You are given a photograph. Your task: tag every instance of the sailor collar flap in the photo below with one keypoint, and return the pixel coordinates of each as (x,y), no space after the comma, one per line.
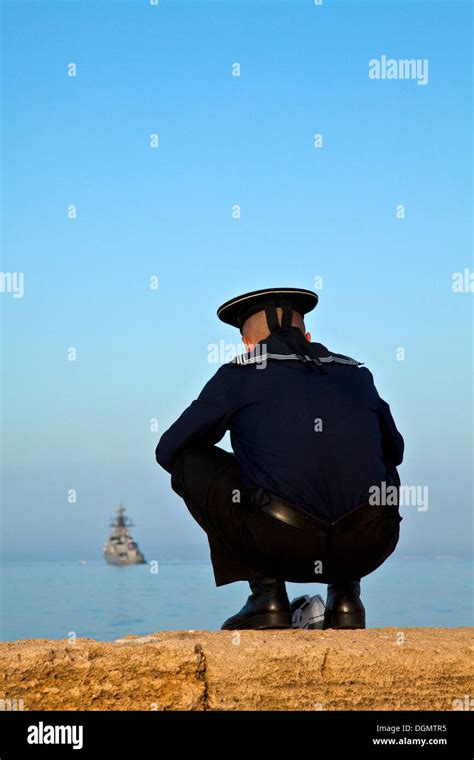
(274,349)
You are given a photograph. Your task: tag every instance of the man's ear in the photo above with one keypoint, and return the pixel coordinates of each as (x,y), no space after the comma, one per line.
(248,343)
(308,337)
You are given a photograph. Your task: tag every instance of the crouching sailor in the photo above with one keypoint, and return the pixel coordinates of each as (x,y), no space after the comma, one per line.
(311,436)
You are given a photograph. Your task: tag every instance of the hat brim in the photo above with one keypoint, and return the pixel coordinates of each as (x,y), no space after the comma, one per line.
(236,310)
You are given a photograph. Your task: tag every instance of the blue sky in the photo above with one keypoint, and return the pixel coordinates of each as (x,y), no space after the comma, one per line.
(167,212)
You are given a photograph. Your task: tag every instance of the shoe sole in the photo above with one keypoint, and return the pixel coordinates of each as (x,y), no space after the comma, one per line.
(345,620)
(263,621)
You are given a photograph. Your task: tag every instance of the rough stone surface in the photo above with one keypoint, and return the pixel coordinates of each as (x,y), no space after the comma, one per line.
(385,669)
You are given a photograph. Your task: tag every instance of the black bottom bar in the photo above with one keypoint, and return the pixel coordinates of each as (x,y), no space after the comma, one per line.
(304,734)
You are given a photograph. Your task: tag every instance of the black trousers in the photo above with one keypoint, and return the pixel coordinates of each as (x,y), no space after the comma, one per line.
(246,543)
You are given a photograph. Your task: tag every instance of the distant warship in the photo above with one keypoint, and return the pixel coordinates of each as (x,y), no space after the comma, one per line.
(120,549)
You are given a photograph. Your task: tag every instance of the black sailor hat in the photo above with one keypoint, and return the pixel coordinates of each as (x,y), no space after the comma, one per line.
(235,311)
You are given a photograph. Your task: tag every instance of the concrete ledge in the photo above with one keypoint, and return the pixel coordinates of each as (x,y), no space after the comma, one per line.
(384,669)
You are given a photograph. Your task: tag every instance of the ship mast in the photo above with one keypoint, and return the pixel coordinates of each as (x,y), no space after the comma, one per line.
(120,521)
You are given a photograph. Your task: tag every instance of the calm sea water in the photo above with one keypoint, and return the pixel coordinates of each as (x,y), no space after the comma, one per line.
(95,600)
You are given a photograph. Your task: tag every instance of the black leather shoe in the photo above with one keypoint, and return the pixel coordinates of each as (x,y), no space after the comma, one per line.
(268,606)
(344,608)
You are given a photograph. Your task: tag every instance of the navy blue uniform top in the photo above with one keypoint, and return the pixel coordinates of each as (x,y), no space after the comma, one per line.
(319,439)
